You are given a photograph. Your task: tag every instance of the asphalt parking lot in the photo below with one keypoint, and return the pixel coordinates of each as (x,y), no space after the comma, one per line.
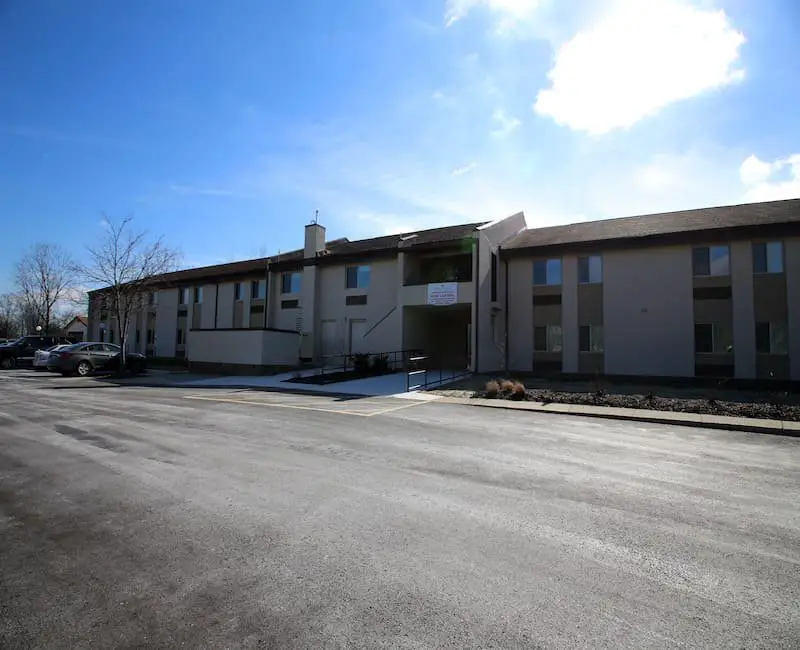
(146,517)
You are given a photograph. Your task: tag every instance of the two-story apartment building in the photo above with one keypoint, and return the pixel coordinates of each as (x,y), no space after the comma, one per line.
(709,292)
(429,290)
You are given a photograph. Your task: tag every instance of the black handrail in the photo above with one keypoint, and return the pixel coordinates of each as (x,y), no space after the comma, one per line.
(396,360)
(426,371)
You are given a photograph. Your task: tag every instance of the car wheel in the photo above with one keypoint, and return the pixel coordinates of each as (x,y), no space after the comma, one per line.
(8,363)
(84,369)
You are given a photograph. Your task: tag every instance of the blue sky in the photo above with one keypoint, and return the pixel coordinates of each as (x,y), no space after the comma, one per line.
(223,125)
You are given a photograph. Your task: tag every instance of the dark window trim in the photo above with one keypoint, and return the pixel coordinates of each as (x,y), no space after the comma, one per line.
(290,304)
(713,293)
(359,299)
(242,329)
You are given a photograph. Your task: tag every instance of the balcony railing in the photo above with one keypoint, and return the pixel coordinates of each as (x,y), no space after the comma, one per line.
(431,278)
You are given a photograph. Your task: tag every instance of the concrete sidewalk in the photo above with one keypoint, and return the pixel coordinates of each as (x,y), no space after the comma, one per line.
(753,425)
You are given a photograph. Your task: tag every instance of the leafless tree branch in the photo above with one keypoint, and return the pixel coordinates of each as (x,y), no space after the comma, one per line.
(44,276)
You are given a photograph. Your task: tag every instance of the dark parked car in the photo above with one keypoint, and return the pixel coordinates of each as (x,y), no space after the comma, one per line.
(84,359)
(22,351)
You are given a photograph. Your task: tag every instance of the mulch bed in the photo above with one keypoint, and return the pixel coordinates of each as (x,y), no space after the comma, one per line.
(783,408)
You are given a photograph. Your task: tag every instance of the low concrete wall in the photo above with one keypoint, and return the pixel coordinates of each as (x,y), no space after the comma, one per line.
(249,351)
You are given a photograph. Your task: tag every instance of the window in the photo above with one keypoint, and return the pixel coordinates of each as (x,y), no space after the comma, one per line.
(590,269)
(494,276)
(183,296)
(111,348)
(110,335)
(138,336)
(547,272)
(768,257)
(771,338)
(258,290)
(151,298)
(290,304)
(357,277)
(237,291)
(179,338)
(712,338)
(711,260)
(291,282)
(151,337)
(591,338)
(547,338)
(198,295)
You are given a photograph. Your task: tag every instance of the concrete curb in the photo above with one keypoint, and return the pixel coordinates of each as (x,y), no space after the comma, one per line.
(750,425)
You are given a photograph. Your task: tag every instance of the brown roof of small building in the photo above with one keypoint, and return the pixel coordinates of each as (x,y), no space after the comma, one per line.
(746,215)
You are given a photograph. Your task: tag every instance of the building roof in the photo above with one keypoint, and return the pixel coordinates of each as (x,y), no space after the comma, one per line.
(337,248)
(652,226)
(83,320)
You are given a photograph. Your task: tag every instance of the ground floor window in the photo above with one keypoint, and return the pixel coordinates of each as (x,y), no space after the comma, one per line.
(713,338)
(591,338)
(771,338)
(547,338)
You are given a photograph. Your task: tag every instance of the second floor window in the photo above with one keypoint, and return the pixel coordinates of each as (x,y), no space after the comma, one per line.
(547,272)
(291,282)
(198,295)
(258,289)
(357,277)
(183,296)
(237,291)
(590,269)
(711,260)
(768,257)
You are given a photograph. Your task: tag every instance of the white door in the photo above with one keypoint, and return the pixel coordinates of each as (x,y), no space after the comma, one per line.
(357,341)
(329,347)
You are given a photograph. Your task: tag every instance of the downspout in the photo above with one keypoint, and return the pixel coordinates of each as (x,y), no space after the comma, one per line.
(508,316)
(216,304)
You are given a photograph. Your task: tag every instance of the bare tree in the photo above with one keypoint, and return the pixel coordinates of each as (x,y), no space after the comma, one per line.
(9,316)
(44,276)
(123,266)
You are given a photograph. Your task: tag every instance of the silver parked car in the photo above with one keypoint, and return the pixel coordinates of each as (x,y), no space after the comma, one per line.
(41,357)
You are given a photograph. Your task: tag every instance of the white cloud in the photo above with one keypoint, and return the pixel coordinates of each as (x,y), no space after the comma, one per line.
(460,171)
(509,12)
(638,58)
(504,124)
(771,181)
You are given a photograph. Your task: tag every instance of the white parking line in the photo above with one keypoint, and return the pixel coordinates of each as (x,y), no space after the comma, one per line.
(303,407)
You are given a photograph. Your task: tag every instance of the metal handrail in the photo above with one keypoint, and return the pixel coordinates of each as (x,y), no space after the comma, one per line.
(420,371)
(397,360)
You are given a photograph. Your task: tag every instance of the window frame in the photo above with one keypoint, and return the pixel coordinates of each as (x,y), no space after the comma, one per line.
(255,289)
(767,246)
(588,259)
(552,333)
(547,271)
(717,346)
(771,328)
(709,261)
(183,295)
(197,295)
(291,288)
(359,268)
(237,291)
(596,339)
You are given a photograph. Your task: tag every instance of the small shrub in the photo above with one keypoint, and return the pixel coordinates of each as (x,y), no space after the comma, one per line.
(517,391)
(361,363)
(492,388)
(507,385)
(380,364)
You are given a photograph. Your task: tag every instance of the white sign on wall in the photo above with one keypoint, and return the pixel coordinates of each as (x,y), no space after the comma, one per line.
(443,293)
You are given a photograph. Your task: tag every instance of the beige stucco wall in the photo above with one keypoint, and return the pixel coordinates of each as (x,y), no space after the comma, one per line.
(231,346)
(225,305)
(166,323)
(207,306)
(520,314)
(792,266)
(381,300)
(283,318)
(648,312)
(569,314)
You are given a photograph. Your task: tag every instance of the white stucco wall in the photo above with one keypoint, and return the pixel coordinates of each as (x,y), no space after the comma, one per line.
(245,347)
(648,312)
